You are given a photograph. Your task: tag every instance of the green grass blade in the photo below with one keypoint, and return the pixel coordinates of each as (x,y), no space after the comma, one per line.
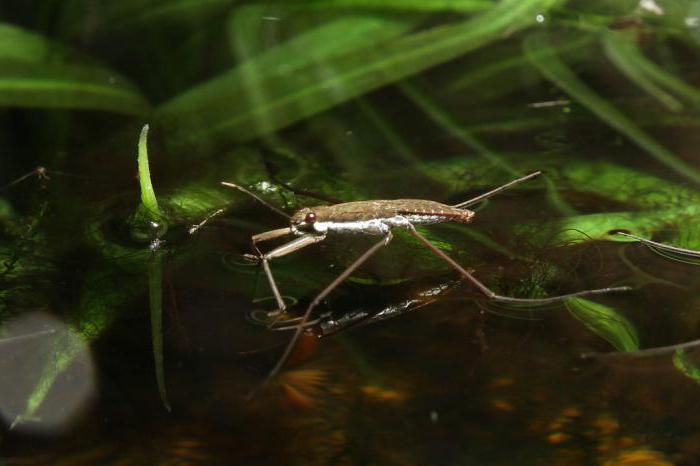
(605,322)
(458,131)
(624,53)
(148,194)
(602,226)
(482,77)
(685,366)
(250,85)
(662,77)
(128,14)
(35,72)
(560,74)
(461,6)
(435,113)
(68,86)
(316,86)
(20,45)
(67,347)
(155,295)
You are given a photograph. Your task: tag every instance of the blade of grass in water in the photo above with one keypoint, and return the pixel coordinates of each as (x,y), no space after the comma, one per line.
(604,226)
(463,6)
(155,294)
(482,76)
(131,13)
(654,72)
(313,88)
(685,366)
(624,53)
(35,72)
(155,265)
(605,322)
(148,194)
(433,111)
(560,74)
(248,85)
(443,119)
(20,45)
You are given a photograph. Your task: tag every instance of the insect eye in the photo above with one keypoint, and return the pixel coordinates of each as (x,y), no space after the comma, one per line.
(310,217)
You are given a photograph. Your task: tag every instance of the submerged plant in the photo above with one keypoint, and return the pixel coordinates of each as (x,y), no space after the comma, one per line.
(347,100)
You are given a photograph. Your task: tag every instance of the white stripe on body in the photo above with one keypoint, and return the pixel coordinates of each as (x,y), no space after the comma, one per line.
(376,226)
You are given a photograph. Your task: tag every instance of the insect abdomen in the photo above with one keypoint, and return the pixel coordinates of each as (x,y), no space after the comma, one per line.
(420,211)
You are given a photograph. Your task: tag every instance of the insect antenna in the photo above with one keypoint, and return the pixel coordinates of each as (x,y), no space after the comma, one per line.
(272,171)
(311,194)
(488,194)
(256,197)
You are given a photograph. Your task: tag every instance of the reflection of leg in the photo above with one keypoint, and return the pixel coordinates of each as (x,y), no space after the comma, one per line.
(273,286)
(287,248)
(492,295)
(321,296)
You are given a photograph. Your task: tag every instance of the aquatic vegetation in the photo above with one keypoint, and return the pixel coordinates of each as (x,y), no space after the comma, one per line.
(38,72)
(348,100)
(605,322)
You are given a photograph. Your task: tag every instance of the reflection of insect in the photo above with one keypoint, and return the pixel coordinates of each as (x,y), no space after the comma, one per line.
(377,218)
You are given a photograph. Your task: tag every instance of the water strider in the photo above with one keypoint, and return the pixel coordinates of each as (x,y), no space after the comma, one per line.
(311,225)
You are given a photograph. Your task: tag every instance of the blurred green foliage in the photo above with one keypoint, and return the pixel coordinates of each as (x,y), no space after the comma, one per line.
(252,91)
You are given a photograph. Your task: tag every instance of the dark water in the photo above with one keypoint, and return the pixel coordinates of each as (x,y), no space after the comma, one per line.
(601,96)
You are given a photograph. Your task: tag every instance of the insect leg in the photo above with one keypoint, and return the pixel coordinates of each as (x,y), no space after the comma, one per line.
(320,297)
(481,197)
(492,295)
(287,248)
(265,236)
(256,197)
(270,235)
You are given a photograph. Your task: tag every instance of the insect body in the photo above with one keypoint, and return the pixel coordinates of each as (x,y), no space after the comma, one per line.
(375,217)
(311,225)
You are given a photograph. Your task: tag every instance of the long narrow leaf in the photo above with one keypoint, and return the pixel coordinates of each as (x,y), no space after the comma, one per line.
(316,87)
(414,5)
(560,74)
(605,322)
(21,45)
(34,72)
(623,52)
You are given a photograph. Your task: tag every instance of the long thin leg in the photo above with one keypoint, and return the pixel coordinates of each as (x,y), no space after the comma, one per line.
(256,197)
(193,229)
(270,235)
(287,248)
(491,295)
(497,190)
(321,296)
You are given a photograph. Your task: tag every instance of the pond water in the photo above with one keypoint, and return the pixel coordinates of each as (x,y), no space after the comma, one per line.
(127,337)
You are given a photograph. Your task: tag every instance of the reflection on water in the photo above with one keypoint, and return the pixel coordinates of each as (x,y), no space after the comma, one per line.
(403,364)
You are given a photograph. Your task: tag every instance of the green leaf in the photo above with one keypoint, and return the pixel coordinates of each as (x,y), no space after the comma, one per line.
(624,53)
(605,322)
(148,194)
(35,72)
(139,13)
(603,226)
(623,50)
(414,5)
(313,85)
(560,74)
(20,45)
(685,366)
(155,301)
